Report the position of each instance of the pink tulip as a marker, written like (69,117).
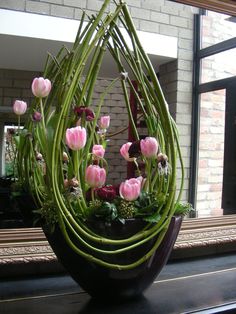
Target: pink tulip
(76,138)
(41,87)
(124,151)
(95,176)
(104,122)
(98,151)
(130,189)
(19,107)
(149,147)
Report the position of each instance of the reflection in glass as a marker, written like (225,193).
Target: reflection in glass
(9,132)
(217,27)
(211,154)
(219,66)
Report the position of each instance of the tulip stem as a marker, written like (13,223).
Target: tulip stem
(18,125)
(92,194)
(42,113)
(136,164)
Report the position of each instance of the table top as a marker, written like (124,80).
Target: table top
(205,285)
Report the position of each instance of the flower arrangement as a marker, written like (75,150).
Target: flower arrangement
(62,151)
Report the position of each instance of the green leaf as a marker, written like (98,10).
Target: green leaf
(183,208)
(107,210)
(153,218)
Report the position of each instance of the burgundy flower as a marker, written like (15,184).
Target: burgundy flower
(107,193)
(88,195)
(36,116)
(88,113)
(11,131)
(135,149)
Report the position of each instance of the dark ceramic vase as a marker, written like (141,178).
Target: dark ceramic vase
(105,283)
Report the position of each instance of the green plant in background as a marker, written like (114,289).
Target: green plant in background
(61,151)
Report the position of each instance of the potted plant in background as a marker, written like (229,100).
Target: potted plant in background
(113,240)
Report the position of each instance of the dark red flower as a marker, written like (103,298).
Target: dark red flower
(135,149)
(36,116)
(107,193)
(11,131)
(88,113)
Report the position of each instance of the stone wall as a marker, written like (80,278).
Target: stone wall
(158,16)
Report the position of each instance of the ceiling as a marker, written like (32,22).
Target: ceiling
(25,48)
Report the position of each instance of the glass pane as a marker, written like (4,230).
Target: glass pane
(219,66)
(217,27)
(211,154)
(9,149)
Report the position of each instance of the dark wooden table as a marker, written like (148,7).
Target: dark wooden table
(206,285)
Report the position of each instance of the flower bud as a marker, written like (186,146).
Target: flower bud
(104,122)
(73,182)
(76,138)
(19,107)
(149,147)
(65,157)
(130,189)
(95,176)
(162,158)
(39,156)
(124,151)
(66,183)
(98,151)
(36,116)
(41,87)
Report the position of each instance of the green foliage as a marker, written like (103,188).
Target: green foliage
(104,210)
(48,213)
(153,218)
(183,208)
(147,205)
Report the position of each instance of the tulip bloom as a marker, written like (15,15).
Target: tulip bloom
(76,138)
(130,189)
(88,113)
(104,122)
(19,107)
(134,150)
(149,147)
(107,193)
(95,176)
(41,87)
(124,151)
(98,151)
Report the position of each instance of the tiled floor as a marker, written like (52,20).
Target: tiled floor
(183,287)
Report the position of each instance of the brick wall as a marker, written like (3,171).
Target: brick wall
(211,154)
(159,16)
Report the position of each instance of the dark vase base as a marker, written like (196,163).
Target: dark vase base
(104,283)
